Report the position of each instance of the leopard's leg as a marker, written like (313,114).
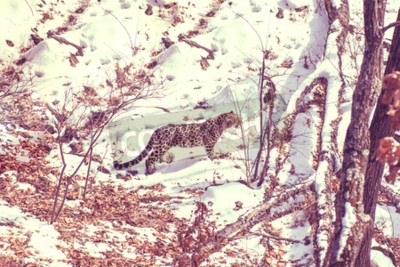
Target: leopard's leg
(210,151)
(150,169)
(155,155)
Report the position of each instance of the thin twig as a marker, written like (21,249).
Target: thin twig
(29,7)
(88,172)
(252,27)
(109,114)
(266,134)
(261,82)
(97,134)
(57,190)
(126,30)
(262,128)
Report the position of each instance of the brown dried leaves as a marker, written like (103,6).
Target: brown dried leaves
(389,151)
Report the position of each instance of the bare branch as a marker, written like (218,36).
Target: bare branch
(91,119)
(30,8)
(387,253)
(57,190)
(126,30)
(391,195)
(391,25)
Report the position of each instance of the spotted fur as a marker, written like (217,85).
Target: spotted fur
(204,134)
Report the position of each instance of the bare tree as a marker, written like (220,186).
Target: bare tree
(380,128)
(348,235)
(257,170)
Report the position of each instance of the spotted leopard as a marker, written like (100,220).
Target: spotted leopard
(204,134)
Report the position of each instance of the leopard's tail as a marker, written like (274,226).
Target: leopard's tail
(136,160)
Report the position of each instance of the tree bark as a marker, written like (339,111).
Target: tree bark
(351,223)
(380,127)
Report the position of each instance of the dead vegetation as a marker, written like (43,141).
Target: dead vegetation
(138,225)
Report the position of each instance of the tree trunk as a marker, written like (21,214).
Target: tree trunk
(351,223)
(380,127)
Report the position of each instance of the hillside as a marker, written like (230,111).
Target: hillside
(85,83)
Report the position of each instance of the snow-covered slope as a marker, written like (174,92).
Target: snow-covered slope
(203,59)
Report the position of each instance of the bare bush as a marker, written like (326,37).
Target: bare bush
(84,113)
(13,82)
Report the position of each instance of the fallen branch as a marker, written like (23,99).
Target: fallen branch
(194,44)
(322,230)
(65,41)
(82,156)
(260,213)
(279,238)
(324,212)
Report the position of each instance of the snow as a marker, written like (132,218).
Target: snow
(217,195)
(42,238)
(387,218)
(16,22)
(320,188)
(381,259)
(236,33)
(348,222)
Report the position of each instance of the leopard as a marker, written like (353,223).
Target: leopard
(204,134)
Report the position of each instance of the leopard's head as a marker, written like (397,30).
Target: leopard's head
(231,119)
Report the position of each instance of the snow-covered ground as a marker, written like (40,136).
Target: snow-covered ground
(203,58)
